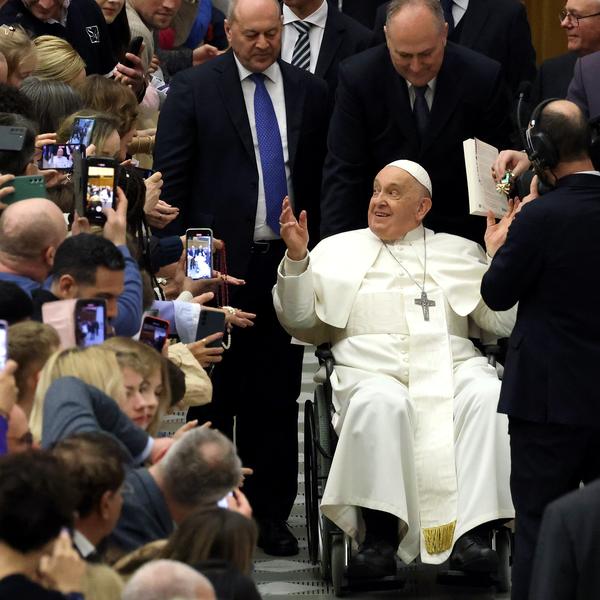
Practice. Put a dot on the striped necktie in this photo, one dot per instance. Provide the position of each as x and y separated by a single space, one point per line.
301 55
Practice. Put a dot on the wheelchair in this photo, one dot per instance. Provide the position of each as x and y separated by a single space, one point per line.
328 545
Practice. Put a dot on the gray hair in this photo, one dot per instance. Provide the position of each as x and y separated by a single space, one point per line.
200 468
233 7
434 6
167 580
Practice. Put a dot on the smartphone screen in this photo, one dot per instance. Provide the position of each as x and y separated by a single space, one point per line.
210 322
199 253
154 332
58 156
100 191
90 322
3 344
82 131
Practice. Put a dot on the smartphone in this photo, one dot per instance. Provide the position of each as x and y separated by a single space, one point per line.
90 322
3 344
26 186
134 48
59 156
12 138
154 332
144 173
82 130
210 322
100 187
198 252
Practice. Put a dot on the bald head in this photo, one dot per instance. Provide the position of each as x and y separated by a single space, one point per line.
166 579
30 232
566 126
244 8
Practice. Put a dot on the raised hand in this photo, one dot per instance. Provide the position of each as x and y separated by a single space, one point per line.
495 234
294 232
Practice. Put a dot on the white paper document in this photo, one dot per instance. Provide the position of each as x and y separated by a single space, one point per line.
483 195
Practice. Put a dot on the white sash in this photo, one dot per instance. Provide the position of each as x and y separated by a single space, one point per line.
431 388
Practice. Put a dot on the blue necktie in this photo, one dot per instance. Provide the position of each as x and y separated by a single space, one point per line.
271 151
447 7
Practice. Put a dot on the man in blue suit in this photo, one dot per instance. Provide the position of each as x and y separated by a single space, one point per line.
236 135
548 263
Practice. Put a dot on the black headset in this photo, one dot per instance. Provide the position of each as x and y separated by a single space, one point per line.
540 148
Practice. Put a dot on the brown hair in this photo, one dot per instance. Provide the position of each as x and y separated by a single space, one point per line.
103 127
107 95
213 532
31 344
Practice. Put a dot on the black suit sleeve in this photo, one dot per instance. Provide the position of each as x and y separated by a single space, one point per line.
520 63
343 199
517 264
554 569
176 149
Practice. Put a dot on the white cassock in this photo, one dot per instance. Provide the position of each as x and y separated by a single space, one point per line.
419 435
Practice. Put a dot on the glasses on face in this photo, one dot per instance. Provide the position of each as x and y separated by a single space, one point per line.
574 19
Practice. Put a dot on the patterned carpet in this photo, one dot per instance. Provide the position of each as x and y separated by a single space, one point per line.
279 578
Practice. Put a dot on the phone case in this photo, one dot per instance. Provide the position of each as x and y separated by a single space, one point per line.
210 322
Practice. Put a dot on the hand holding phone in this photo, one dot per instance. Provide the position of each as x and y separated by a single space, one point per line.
154 332
198 252
100 187
90 322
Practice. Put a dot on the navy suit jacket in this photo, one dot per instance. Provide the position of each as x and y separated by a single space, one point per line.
343 37
497 28
553 78
585 86
372 125
550 264
566 556
205 152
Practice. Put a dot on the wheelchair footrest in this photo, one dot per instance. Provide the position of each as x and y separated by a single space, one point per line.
450 577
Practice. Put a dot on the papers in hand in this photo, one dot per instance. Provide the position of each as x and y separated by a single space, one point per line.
483 195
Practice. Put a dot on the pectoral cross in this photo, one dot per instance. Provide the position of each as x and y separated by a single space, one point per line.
424 303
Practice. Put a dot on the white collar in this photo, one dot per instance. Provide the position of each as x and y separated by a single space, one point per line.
318 18
430 84
84 545
413 235
587 173
464 4
273 72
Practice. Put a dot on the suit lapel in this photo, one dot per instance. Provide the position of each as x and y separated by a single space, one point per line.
294 93
448 90
230 89
477 14
332 38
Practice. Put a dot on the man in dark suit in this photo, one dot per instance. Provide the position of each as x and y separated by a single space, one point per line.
417 99
566 558
584 89
235 136
548 264
361 10
580 20
497 28
317 37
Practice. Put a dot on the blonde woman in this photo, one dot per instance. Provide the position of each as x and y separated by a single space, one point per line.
58 60
82 390
146 379
20 53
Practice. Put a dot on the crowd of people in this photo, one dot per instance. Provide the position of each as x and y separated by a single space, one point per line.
321 143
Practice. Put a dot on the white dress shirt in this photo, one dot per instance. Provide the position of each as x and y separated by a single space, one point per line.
315 34
274 86
459 9
429 93
83 545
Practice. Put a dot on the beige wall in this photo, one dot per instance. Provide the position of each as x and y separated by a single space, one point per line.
548 38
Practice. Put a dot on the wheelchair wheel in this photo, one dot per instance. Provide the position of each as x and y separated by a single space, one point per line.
338 564
311 496
323 426
504 551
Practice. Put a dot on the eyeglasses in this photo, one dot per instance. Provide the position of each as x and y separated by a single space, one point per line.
565 14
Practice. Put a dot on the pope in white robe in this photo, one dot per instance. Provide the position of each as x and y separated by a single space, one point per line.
422 464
